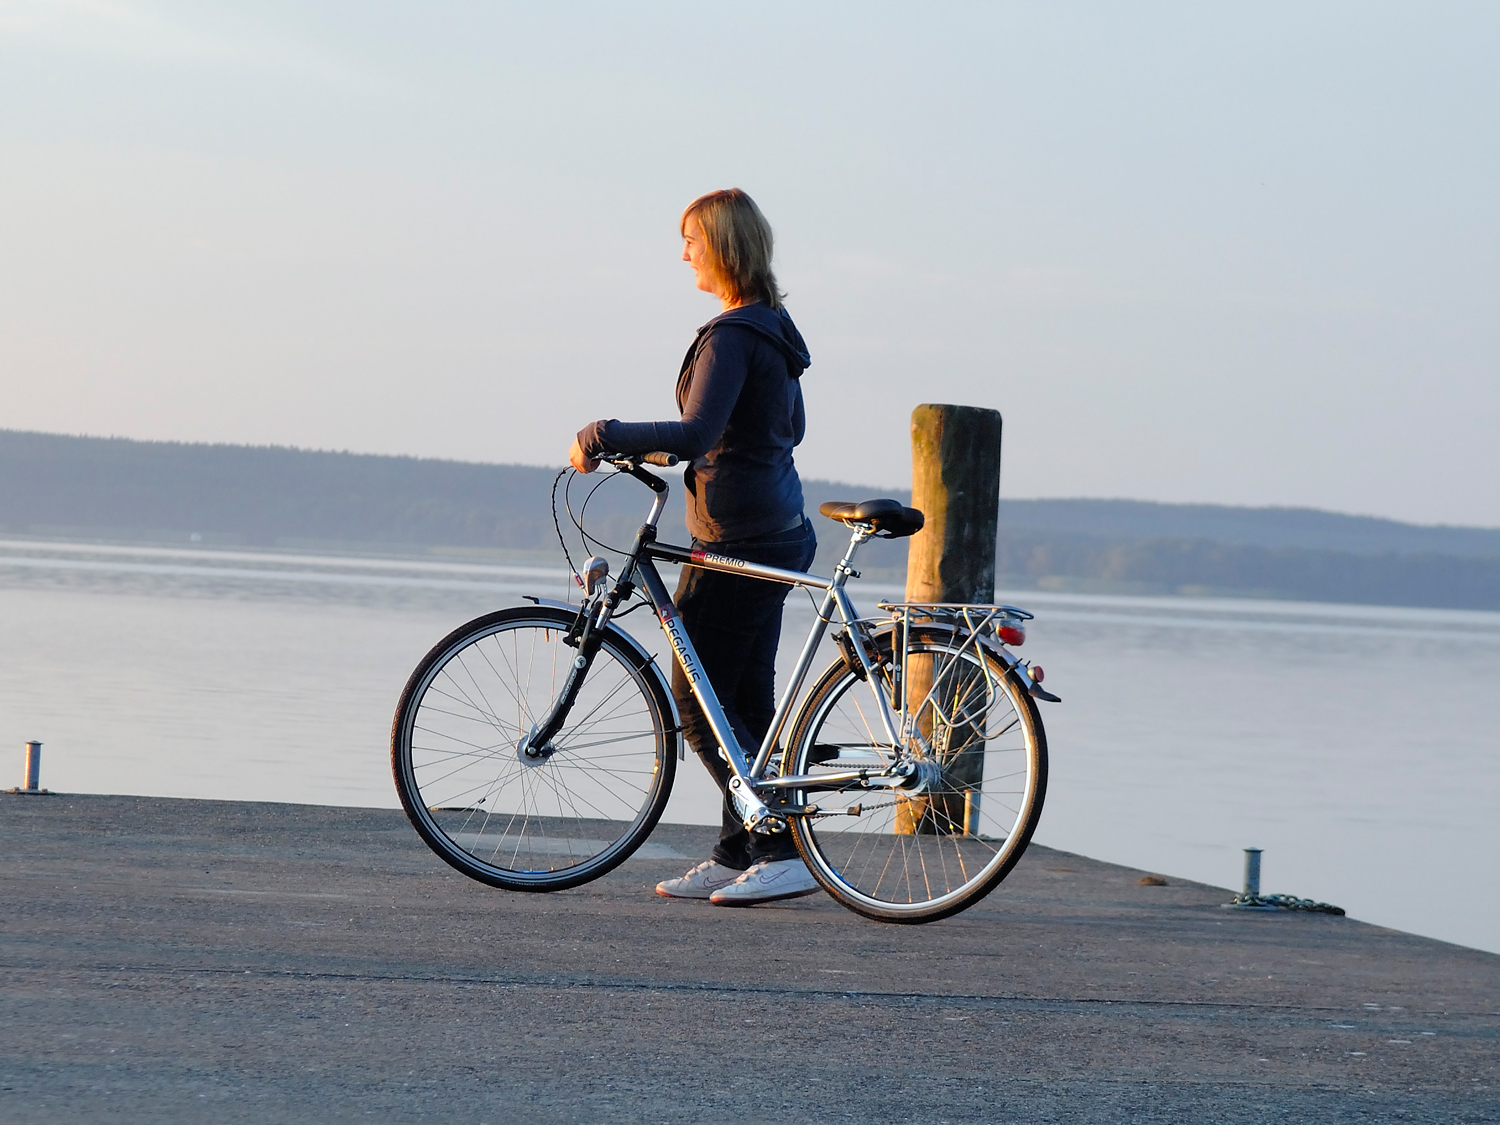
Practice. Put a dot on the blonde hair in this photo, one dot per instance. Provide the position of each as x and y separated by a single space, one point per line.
738 240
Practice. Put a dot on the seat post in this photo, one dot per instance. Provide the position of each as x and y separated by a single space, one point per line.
861 535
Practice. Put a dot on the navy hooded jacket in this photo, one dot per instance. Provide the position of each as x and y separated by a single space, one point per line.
740 394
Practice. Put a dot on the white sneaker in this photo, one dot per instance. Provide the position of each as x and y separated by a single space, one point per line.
701 882
767 881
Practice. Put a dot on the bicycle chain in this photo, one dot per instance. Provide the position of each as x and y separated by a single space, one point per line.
865 807
1287 902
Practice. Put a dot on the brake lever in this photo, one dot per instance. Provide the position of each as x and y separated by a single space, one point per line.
631 466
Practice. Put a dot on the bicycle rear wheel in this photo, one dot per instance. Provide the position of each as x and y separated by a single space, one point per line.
918 858
534 824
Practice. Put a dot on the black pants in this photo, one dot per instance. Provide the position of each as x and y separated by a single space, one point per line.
734 623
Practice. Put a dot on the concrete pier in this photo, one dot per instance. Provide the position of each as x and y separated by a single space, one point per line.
197 961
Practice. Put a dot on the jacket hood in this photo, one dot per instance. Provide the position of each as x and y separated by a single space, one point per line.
775 325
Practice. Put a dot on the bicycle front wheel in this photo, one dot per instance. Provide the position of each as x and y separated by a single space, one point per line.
514 821
920 857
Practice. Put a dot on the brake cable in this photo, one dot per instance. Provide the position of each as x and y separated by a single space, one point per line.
557 526
578 520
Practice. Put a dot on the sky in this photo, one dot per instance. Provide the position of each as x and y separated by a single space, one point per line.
1240 254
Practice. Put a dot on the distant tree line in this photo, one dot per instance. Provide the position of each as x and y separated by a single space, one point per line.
264 495
1203 566
268 496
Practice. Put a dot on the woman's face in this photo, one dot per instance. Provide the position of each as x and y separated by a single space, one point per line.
695 254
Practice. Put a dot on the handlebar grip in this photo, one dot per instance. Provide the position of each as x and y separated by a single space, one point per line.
665 460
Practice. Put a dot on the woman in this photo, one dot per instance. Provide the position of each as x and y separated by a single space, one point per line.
741 402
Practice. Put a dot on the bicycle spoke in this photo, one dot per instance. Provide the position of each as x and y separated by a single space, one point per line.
922 854
506 817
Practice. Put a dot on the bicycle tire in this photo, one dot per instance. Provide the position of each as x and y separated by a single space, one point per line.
911 860
503 819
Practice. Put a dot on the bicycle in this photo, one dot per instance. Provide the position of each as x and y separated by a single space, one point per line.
534 748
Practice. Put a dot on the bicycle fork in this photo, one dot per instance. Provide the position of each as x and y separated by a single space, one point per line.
586 635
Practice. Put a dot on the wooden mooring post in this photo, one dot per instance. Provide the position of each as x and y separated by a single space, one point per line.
955 481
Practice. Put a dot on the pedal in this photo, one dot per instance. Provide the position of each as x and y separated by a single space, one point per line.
769 825
752 811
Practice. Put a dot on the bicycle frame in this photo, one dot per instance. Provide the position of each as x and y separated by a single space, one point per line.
535 749
748 777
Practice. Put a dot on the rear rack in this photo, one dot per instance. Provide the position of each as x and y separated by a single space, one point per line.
975 617
1004 624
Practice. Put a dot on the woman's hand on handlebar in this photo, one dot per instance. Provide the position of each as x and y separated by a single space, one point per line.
581 461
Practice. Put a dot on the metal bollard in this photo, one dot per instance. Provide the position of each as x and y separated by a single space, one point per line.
33 766
33 772
1251 899
1252 873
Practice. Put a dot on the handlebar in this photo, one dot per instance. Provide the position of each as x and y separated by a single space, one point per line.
630 464
627 460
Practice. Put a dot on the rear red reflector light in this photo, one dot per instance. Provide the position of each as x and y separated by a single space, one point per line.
1012 634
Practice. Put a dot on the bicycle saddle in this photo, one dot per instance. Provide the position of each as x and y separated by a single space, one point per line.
889 518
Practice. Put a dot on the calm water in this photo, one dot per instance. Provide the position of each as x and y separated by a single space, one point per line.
1356 745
